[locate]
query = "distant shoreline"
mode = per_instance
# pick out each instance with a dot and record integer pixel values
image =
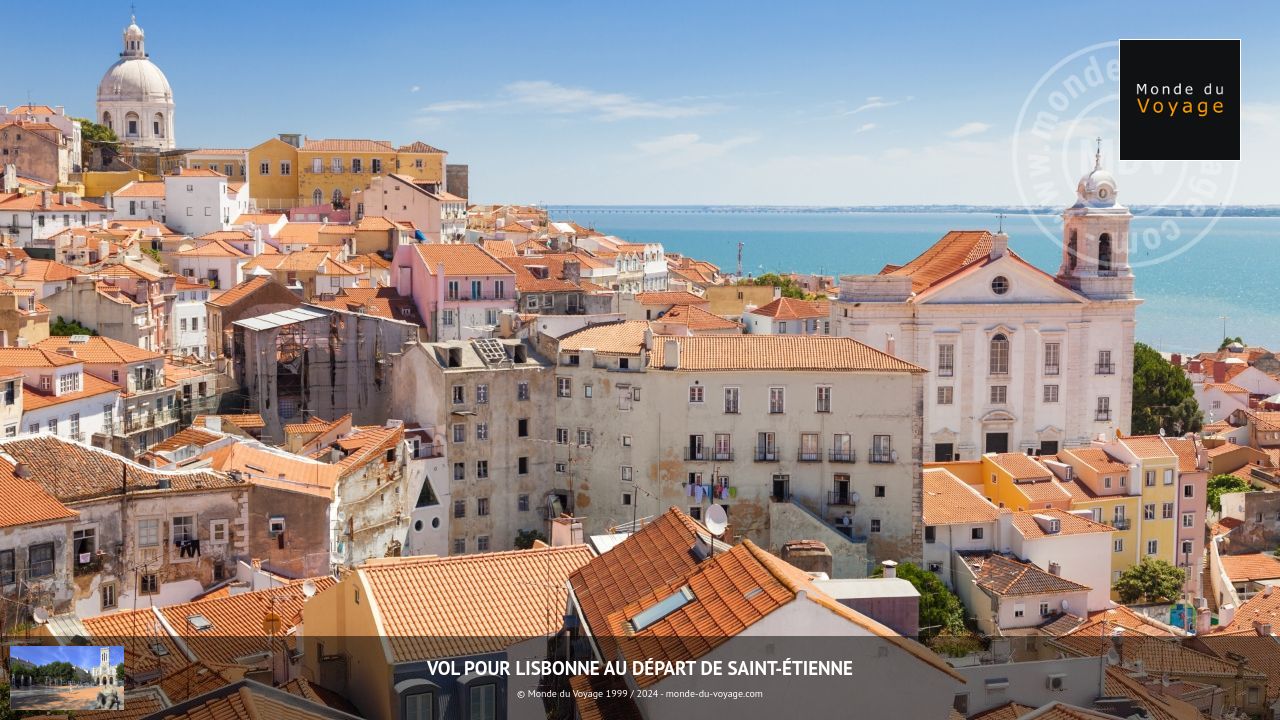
(1245, 211)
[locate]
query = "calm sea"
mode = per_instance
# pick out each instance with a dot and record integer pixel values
(1232, 270)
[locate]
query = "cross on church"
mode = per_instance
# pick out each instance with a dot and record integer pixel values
(1097, 157)
(1000, 229)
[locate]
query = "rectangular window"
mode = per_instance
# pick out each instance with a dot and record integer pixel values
(1168, 476)
(459, 546)
(562, 436)
(219, 532)
(1153, 547)
(1105, 366)
(8, 571)
(108, 595)
(482, 393)
(376, 165)
(1149, 511)
(1051, 393)
(584, 437)
(1117, 545)
(446, 318)
(945, 394)
(459, 508)
(1166, 511)
(522, 466)
(149, 584)
(881, 450)
(522, 427)
(482, 471)
(626, 473)
(564, 387)
(1052, 355)
(823, 399)
(522, 391)
(459, 432)
(731, 400)
(723, 447)
(946, 360)
(482, 506)
(999, 394)
(998, 356)
(482, 545)
(357, 165)
(875, 525)
(1186, 549)
(83, 544)
(1188, 491)
(184, 528)
(809, 451)
(482, 431)
(1188, 520)
(1150, 478)
(40, 560)
(148, 532)
(777, 400)
(285, 168)
(459, 471)
(522, 503)
(695, 393)
(1104, 409)
(264, 168)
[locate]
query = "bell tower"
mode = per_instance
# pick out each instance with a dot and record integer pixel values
(1095, 238)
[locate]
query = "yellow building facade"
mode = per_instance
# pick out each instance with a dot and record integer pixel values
(273, 175)
(293, 172)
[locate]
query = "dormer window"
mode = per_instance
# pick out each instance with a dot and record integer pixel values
(68, 383)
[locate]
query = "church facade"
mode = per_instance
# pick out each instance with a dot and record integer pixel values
(134, 97)
(1018, 360)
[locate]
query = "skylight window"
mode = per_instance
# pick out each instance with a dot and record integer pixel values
(663, 608)
(199, 622)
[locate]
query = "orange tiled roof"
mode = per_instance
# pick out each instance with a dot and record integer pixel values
(1008, 577)
(1260, 653)
(1253, 566)
(1187, 450)
(1020, 466)
(35, 201)
(1069, 524)
(955, 251)
(244, 421)
(420, 147)
(44, 271)
(214, 248)
(33, 357)
(1008, 711)
(190, 436)
(267, 218)
(72, 472)
(948, 500)
(98, 349)
(276, 468)
(785, 308)
(342, 145)
(196, 172)
(27, 502)
(776, 352)
(464, 259)
(697, 318)
(670, 297)
(615, 338)
(434, 607)
(1148, 447)
(235, 294)
(90, 386)
(1097, 459)
(142, 188)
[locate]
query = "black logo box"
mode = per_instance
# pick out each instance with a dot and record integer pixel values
(1205, 73)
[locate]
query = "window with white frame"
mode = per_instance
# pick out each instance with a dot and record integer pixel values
(998, 357)
(696, 393)
(219, 532)
(564, 387)
(946, 360)
(731, 395)
(823, 399)
(1153, 547)
(184, 528)
(945, 394)
(777, 400)
(1051, 393)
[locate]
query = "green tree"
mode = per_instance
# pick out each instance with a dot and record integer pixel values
(526, 538)
(1227, 341)
(789, 287)
(65, 328)
(1151, 580)
(1162, 396)
(1219, 485)
(940, 610)
(93, 136)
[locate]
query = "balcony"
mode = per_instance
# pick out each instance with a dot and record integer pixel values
(842, 497)
(1105, 369)
(880, 456)
(766, 454)
(842, 456)
(695, 453)
(475, 298)
(810, 455)
(1052, 369)
(92, 567)
(946, 371)
(1119, 523)
(722, 454)
(1102, 416)
(432, 450)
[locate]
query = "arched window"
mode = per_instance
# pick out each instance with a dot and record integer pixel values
(1071, 251)
(106, 120)
(317, 197)
(131, 125)
(999, 360)
(157, 125)
(1104, 253)
(337, 198)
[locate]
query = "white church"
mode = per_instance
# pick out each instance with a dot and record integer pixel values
(1019, 360)
(134, 97)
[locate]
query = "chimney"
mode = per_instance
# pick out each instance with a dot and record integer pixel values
(104, 248)
(10, 178)
(890, 345)
(999, 245)
(1219, 372)
(22, 470)
(45, 198)
(1055, 569)
(671, 354)
(1263, 629)
(811, 556)
(890, 568)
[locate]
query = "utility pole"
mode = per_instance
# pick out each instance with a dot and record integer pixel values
(740, 243)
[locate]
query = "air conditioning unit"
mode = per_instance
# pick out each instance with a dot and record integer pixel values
(276, 525)
(1056, 682)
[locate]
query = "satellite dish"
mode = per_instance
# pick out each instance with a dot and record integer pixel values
(40, 615)
(309, 588)
(717, 520)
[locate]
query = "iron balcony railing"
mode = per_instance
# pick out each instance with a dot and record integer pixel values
(1119, 523)
(1105, 368)
(1102, 415)
(842, 456)
(879, 456)
(766, 454)
(695, 453)
(840, 497)
(811, 455)
(722, 454)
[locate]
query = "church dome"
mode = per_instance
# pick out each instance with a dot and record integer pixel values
(135, 78)
(1098, 187)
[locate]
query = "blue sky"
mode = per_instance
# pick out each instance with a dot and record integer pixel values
(664, 102)
(85, 656)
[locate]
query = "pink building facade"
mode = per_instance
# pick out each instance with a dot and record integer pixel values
(460, 291)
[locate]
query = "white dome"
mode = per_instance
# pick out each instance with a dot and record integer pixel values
(135, 79)
(1098, 187)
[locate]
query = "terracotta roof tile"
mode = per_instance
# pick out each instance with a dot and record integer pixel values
(614, 338)
(90, 386)
(670, 297)
(27, 502)
(1020, 466)
(1254, 566)
(948, 500)
(44, 271)
(1008, 711)
(464, 259)
(785, 308)
(697, 318)
(1008, 577)
(214, 248)
(1148, 447)
(72, 472)
(420, 147)
(98, 349)
(343, 145)
(1069, 524)
(235, 294)
(1097, 459)
(776, 352)
(381, 302)
(956, 250)
(433, 607)
(142, 188)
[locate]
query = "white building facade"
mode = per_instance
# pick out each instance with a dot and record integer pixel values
(1019, 360)
(134, 97)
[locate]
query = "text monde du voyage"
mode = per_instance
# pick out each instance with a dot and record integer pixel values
(1180, 99)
